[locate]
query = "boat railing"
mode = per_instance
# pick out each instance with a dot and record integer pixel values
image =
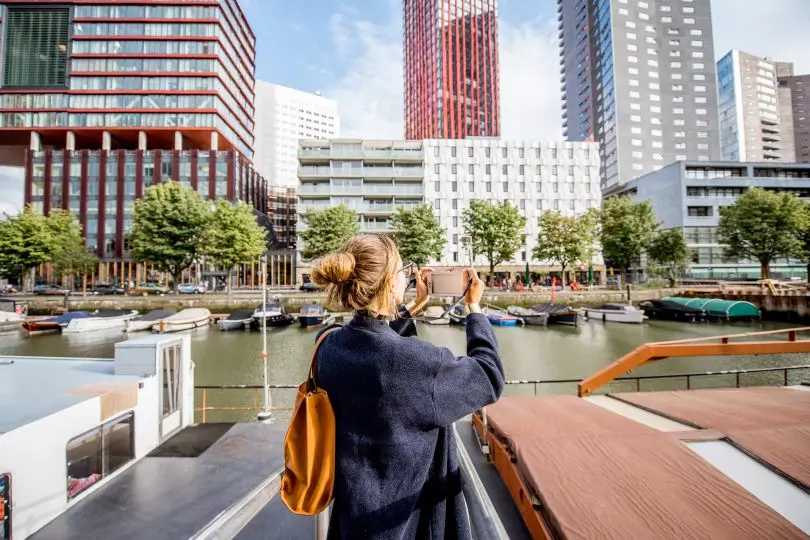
(747, 344)
(253, 404)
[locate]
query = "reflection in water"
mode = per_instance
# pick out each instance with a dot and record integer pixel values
(556, 352)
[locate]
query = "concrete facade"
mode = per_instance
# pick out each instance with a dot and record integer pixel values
(638, 76)
(756, 117)
(799, 86)
(688, 196)
(283, 116)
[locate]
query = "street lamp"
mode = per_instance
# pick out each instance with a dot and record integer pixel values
(266, 414)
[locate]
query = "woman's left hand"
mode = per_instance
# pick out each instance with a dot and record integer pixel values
(422, 279)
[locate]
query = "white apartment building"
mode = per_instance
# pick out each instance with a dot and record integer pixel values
(533, 176)
(283, 116)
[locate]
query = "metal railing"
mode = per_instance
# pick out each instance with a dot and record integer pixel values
(257, 389)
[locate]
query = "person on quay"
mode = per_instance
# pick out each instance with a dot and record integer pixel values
(396, 397)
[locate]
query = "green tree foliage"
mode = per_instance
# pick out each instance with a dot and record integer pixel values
(169, 229)
(626, 229)
(495, 231)
(804, 238)
(418, 235)
(234, 236)
(763, 225)
(30, 239)
(668, 249)
(564, 240)
(328, 231)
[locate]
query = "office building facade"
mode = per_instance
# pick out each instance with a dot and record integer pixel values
(799, 88)
(756, 115)
(450, 51)
(107, 75)
(283, 116)
(638, 77)
(532, 176)
(687, 196)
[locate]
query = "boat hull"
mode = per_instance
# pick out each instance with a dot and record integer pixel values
(569, 319)
(169, 327)
(632, 317)
(503, 321)
(91, 324)
(315, 321)
(272, 321)
(234, 324)
(41, 327)
(529, 317)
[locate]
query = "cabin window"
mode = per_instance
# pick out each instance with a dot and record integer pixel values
(171, 380)
(98, 453)
(5, 506)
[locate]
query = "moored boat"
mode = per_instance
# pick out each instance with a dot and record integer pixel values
(53, 324)
(186, 319)
(728, 310)
(274, 313)
(672, 311)
(11, 315)
(623, 313)
(145, 322)
(457, 315)
(434, 315)
(100, 320)
(531, 317)
(314, 315)
(558, 314)
(238, 320)
(499, 317)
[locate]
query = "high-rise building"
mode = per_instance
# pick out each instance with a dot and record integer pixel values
(756, 116)
(283, 116)
(799, 87)
(107, 75)
(638, 77)
(451, 69)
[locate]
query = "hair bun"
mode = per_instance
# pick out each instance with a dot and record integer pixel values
(335, 269)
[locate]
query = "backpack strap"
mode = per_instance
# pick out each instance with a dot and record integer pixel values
(313, 364)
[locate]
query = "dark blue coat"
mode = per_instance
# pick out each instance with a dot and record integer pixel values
(395, 399)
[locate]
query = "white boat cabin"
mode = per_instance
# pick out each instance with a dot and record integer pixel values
(70, 425)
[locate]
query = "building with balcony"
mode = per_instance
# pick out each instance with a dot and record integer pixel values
(799, 88)
(107, 75)
(638, 77)
(756, 113)
(688, 195)
(283, 116)
(450, 51)
(532, 176)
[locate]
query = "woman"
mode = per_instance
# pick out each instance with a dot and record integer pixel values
(395, 398)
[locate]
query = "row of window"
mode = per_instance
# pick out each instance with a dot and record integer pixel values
(555, 187)
(539, 170)
(146, 12)
(556, 204)
(158, 65)
(553, 152)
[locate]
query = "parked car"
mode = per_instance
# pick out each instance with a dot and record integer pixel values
(149, 288)
(309, 287)
(191, 288)
(49, 290)
(105, 288)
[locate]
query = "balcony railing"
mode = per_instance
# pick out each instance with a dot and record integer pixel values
(378, 208)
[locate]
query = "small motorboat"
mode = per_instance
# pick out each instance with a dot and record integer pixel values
(100, 320)
(275, 314)
(457, 315)
(50, 325)
(12, 315)
(531, 317)
(435, 315)
(558, 314)
(145, 322)
(499, 317)
(313, 316)
(623, 313)
(673, 311)
(238, 320)
(187, 319)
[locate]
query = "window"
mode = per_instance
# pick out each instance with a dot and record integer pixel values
(520, 152)
(437, 204)
(505, 187)
(638, 167)
(523, 187)
(665, 9)
(436, 168)
(666, 19)
(635, 118)
(436, 152)
(630, 35)
(698, 65)
(699, 77)
(521, 170)
(523, 204)
(455, 239)
(652, 63)
(471, 169)
(556, 204)
(635, 107)
(505, 169)
(643, 16)
(688, 20)
(555, 187)
(675, 65)
(571, 171)
(454, 186)
(471, 187)
(437, 186)
(538, 170)
(699, 211)
(701, 111)
(638, 155)
(633, 82)
(635, 130)
(571, 188)
(99, 453)
(688, 9)
(675, 54)
(572, 204)
(695, 32)
(636, 142)
(454, 168)
(452, 151)
(471, 151)
(635, 95)
(570, 153)
(623, 11)
(632, 71)
(455, 204)
(697, 54)
(632, 59)
(489, 187)
(629, 24)
(696, 43)
(677, 110)
(539, 204)
(700, 88)
(488, 169)
(631, 47)
(505, 152)
(455, 221)
(455, 256)
(487, 151)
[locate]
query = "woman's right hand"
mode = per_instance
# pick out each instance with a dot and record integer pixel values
(476, 290)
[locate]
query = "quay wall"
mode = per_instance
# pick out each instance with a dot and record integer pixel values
(222, 303)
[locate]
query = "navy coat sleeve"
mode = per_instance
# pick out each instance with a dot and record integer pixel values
(465, 384)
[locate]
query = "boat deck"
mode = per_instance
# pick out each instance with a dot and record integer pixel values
(603, 467)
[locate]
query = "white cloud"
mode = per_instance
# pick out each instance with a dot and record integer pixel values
(12, 189)
(775, 28)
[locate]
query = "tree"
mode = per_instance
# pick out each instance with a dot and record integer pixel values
(626, 230)
(169, 227)
(564, 240)
(234, 236)
(804, 238)
(418, 234)
(669, 250)
(75, 260)
(328, 231)
(763, 225)
(30, 239)
(495, 231)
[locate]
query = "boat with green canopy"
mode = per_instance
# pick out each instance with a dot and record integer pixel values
(723, 309)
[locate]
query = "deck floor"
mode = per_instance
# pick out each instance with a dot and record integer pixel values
(599, 474)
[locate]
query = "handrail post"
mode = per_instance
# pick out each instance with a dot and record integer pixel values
(204, 406)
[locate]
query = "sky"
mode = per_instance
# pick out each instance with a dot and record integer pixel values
(351, 51)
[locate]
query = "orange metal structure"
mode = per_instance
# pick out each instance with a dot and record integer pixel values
(736, 344)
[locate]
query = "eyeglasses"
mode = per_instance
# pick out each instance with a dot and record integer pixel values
(407, 268)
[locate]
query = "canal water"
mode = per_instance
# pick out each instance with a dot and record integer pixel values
(530, 353)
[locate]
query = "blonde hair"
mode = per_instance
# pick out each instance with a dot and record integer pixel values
(359, 277)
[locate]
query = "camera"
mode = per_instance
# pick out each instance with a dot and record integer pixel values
(447, 283)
